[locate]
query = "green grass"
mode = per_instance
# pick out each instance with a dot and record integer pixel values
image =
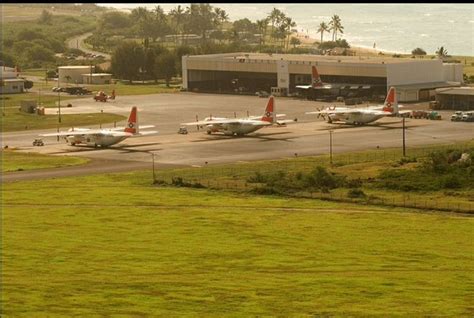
(114, 245)
(364, 165)
(14, 120)
(15, 161)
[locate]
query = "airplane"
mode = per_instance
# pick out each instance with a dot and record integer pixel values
(242, 126)
(316, 82)
(319, 88)
(104, 137)
(361, 116)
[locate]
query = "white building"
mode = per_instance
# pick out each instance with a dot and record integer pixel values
(414, 79)
(73, 74)
(9, 81)
(96, 78)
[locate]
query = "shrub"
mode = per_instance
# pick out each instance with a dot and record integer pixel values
(356, 193)
(320, 178)
(451, 182)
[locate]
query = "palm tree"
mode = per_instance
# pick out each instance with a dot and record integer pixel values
(274, 17)
(288, 23)
(323, 27)
(177, 15)
(335, 26)
(441, 52)
(262, 28)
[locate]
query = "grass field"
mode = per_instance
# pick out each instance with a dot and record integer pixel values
(365, 165)
(14, 120)
(116, 246)
(15, 161)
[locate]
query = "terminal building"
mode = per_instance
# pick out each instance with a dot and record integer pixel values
(415, 79)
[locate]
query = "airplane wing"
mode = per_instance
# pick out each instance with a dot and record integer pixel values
(72, 133)
(303, 86)
(259, 123)
(140, 127)
(285, 121)
(148, 132)
(212, 122)
(88, 133)
(258, 117)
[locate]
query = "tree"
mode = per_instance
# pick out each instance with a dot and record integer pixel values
(46, 17)
(274, 17)
(335, 26)
(262, 29)
(441, 52)
(127, 60)
(177, 16)
(165, 66)
(28, 84)
(201, 19)
(295, 41)
(288, 24)
(323, 27)
(114, 20)
(418, 51)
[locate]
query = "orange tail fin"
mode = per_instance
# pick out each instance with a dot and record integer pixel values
(269, 114)
(132, 123)
(315, 78)
(391, 103)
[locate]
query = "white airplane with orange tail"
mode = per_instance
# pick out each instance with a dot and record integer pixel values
(316, 82)
(104, 137)
(361, 116)
(242, 126)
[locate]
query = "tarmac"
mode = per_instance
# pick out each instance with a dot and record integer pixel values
(307, 136)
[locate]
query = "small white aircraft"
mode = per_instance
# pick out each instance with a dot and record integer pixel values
(242, 126)
(104, 137)
(361, 116)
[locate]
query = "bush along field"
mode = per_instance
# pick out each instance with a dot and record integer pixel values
(438, 178)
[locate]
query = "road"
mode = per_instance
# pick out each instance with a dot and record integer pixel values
(308, 136)
(77, 42)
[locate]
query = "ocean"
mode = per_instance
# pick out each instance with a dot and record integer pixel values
(390, 27)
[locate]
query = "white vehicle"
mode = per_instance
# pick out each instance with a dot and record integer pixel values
(104, 137)
(242, 126)
(361, 116)
(457, 116)
(468, 116)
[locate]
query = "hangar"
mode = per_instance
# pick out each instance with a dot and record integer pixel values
(248, 73)
(459, 98)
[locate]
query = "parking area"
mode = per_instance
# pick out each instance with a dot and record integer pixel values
(308, 136)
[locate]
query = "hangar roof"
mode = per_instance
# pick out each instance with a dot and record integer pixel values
(304, 57)
(456, 91)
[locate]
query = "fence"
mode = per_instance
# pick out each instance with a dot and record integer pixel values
(235, 177)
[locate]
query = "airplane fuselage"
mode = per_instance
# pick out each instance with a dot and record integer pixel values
(232, 129)
(355, 119)
(94, 140)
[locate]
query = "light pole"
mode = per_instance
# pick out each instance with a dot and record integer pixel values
(59, 107)
(330, 146)
(101, 118)
(153, 165)
(403, 128)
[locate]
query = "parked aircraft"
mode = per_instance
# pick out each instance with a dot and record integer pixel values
(361, 116)
(104, 137)
(318, 88)
(242, 126)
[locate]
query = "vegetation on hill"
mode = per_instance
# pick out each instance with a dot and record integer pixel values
(34, 43)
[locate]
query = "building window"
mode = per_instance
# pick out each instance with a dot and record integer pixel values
(14, 87)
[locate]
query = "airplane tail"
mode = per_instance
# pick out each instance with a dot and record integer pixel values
(132, 123)
(315, 78)
(270, 114)
(391, 102)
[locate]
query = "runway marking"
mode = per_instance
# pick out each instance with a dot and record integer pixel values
(196, 166)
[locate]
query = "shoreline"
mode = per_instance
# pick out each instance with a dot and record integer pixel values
(360, 49)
